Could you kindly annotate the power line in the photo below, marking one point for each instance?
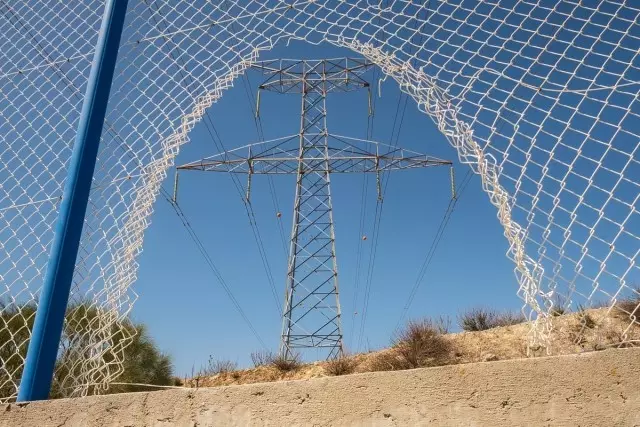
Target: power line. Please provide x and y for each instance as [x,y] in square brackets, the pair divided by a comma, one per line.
[378,218]
[260,132]
[372,258]
[185,222]
[217,140]
[363,210]
[395,144]
[434,247]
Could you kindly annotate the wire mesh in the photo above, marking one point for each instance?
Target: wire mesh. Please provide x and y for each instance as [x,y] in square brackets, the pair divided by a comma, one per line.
[539,97]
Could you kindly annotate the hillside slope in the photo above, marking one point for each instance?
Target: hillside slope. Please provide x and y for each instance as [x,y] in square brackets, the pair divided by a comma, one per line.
[591,330]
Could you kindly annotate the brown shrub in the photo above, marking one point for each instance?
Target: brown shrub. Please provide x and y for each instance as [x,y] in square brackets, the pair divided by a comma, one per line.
[215,367]
[481,319]
[560,306]
[629,306]
[421,343]
[262,358]
[387,361]
[341,365]
[611,336]
[586,319]
[510,318]
[286,364]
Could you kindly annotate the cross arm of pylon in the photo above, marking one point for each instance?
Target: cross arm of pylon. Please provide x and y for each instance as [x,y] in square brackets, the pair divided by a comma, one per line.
[344,155]
[335,75]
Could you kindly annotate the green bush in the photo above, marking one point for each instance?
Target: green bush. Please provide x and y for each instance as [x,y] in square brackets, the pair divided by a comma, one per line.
[143,362]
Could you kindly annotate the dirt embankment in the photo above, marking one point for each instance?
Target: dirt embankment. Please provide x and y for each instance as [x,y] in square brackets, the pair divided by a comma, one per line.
[590,330]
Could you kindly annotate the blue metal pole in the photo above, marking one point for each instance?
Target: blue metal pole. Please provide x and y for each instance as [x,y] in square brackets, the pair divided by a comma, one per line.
[47,329]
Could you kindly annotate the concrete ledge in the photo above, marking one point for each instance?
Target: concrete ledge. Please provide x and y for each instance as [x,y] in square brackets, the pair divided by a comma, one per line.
[592,389]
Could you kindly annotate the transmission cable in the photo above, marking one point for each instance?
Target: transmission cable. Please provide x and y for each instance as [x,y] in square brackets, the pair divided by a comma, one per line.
[217,140]
[211,264]
[257,120]
[363,210]
[386,179]
[433,247]
[378,218]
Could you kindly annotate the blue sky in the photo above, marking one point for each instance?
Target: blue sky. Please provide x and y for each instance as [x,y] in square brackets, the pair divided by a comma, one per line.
[186,309]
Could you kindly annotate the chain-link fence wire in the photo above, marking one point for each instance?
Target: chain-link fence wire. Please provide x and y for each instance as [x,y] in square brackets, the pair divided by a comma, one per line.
[540,99]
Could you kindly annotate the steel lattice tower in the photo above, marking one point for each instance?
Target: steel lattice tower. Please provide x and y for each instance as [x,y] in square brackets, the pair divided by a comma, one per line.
[311,316]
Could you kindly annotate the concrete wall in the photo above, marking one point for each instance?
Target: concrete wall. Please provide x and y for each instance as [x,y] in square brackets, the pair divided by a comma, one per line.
[594,389]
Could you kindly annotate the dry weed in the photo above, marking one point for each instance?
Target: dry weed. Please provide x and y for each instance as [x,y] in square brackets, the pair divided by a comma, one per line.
[341,365]
[215,367]
[286,364]
[421,343]
[262,358]
[482,319]
[387,361]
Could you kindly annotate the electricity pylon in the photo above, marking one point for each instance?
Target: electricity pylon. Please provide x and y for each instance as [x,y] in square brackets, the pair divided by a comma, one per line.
[311,316]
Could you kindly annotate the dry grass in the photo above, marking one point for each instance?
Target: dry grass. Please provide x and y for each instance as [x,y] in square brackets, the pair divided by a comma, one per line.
[482,319]
[281,363]
[262,358]
[388,360]
[421,343]
[217,366]
[427,343]
[341,365]
[629,307]
[586,319]
[286,364]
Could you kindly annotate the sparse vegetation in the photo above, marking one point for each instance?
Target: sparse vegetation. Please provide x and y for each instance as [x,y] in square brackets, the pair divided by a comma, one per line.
[612,337]
[510,318]
[262,358]
[281,363]
[585,322]
[217,366]
[427,342]
[586,319]
[629,306]
[559,306]
[481,319]
[286,364]
[421,343]
[388,361]
[341,365]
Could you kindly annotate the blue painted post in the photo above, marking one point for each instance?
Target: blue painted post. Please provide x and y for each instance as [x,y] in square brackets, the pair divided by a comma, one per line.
[47,329]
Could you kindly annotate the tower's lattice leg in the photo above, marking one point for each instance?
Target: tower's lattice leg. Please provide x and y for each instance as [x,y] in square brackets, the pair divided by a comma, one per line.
[311,317]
